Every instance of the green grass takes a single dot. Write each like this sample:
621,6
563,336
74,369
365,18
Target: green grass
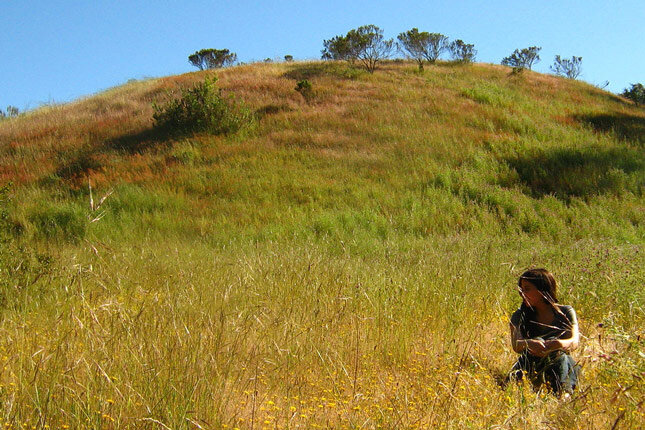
348,262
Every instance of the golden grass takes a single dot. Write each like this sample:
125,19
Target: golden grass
348,263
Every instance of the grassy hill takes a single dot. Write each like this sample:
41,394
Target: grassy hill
346,261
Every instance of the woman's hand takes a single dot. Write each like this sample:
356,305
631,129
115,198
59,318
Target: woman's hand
542,348
539,347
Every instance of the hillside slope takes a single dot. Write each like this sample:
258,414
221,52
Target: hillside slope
347,261
455,148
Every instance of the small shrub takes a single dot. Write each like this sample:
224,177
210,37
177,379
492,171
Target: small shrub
305,89
201,108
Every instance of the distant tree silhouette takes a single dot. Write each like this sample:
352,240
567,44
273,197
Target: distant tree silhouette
10,112
603,85
212,58
365,45
288,58
423,46
571,68
522,59
463,52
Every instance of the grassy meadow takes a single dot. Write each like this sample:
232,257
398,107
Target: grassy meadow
345,261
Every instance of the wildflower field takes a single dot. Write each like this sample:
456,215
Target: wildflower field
347,260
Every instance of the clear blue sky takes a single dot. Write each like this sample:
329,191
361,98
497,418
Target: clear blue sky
58,50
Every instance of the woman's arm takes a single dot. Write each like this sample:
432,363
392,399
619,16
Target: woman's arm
539,347
517,341
534,346
566,345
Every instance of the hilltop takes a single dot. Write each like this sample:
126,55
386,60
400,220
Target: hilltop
346,260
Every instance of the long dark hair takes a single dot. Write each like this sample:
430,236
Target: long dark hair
545,283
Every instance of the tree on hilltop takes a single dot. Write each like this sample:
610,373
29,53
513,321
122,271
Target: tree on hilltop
636,93
365,44
462,52
571,68
339,48
212,58
423,46
522,59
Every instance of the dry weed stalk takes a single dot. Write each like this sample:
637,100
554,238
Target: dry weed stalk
95,207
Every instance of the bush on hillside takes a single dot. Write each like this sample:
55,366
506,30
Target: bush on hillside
201,108
522,59
636,93
305,89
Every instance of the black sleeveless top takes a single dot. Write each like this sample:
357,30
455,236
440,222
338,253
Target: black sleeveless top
560,328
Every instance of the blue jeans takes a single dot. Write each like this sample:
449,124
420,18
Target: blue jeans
558,370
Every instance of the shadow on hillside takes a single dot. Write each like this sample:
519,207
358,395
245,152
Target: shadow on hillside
627,127
300,72
272,109
138,142
449,64
614,98
567,173
88,160
80,166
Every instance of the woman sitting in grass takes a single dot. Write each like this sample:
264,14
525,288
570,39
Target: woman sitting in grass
544,332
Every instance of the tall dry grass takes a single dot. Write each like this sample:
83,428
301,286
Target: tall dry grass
348,263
